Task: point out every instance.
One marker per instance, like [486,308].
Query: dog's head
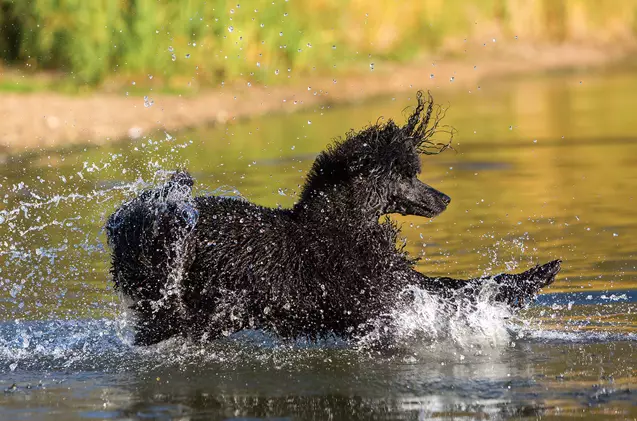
[376,170]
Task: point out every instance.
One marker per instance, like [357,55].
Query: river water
[543,168]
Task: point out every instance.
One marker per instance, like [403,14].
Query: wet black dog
[209,266]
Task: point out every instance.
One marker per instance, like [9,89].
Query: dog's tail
[152,248]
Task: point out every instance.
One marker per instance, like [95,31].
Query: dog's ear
[424,123]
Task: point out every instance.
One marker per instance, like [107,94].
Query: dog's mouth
[415,209]
[418,199]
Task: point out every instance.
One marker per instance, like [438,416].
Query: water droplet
[231,11]
[171,49]
[276,72]
[15,290]
[451,79]
[148,102]
[173,57]
[431,76]
[249,84]
[309,122]
[281,33]
[230,28]
[262,25]
[187,55]
[371,66]
[333,47]
[258,64]
[149,77]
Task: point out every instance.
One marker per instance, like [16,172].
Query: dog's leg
[517,289]
[514,289]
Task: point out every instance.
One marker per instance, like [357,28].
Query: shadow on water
[544,169]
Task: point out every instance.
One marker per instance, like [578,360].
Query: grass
[191,43]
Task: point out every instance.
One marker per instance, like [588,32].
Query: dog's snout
[446,199]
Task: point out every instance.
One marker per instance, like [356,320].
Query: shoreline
[45,120]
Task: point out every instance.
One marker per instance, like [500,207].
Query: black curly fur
[210,266]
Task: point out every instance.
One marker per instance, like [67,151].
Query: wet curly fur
[209,266]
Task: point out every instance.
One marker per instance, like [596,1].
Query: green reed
[204,42]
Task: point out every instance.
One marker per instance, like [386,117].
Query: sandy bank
[46,120]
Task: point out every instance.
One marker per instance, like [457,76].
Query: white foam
[426,318]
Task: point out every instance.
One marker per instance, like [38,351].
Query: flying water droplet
[15,290]
[230,28]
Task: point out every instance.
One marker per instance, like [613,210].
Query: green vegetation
[194,42]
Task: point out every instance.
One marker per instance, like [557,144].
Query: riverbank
[30,121]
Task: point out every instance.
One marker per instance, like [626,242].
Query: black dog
[209,266]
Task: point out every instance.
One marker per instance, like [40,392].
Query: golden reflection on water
[544,168]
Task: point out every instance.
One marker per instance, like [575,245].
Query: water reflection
[237,380]
[544,168]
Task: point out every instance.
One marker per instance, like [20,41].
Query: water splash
[425,319]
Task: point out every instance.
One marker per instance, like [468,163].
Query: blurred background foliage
[204,42]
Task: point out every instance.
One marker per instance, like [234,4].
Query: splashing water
[50,243]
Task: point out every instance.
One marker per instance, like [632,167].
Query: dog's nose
[446,199]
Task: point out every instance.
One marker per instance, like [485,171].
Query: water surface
[543,168]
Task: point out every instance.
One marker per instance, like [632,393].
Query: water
[543,168]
